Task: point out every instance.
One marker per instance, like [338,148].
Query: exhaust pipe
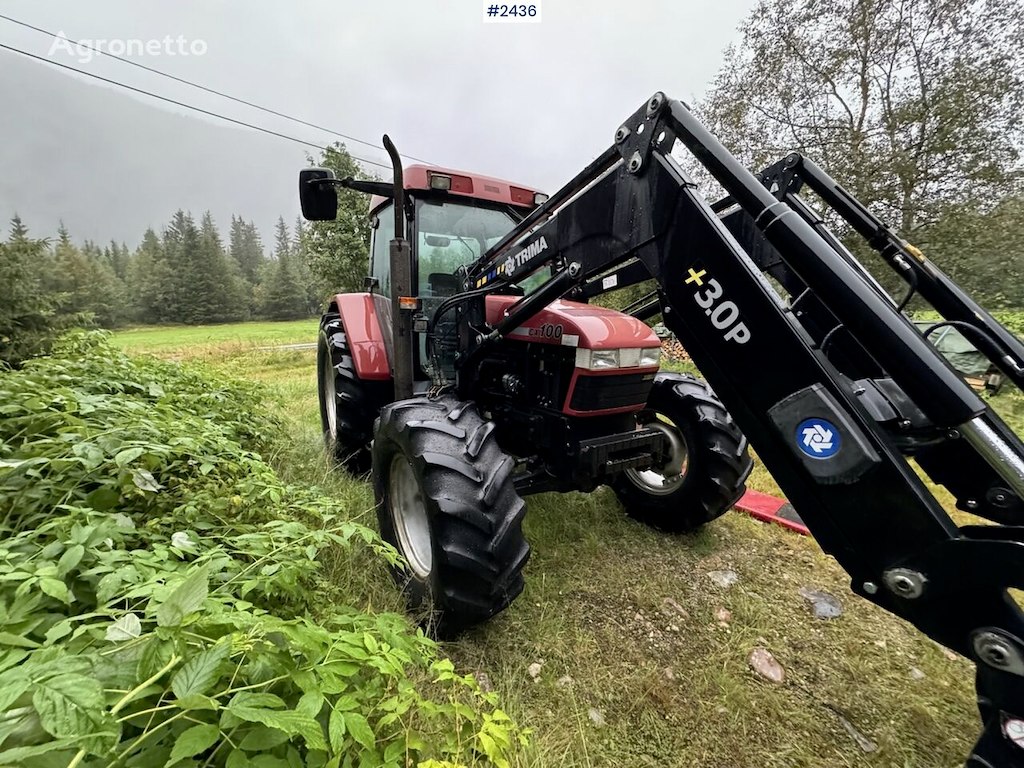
[401,285]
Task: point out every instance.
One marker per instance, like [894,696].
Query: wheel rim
[330,395]
[666,479]
[409,514]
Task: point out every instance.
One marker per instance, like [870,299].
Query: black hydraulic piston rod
[1003,348]
[523,310]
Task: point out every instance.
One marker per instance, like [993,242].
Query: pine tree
[19,231]
[283,240]
[283,295]
[181,251]
[221,291]
[246,249]
[151,282]
[118,259]
[315,292]
[28,322]
[253,248]
[84,283]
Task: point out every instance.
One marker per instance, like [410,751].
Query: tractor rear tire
[447,501]
[710,464]
[348,405]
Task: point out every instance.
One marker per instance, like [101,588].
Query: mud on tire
[446,500]
[716,466]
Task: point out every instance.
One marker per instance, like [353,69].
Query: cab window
[451,235]
[383,224]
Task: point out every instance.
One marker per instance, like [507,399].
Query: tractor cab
[451,219]
[444,235]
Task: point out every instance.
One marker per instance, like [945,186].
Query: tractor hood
[572,324]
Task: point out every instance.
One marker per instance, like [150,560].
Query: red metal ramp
[770,509]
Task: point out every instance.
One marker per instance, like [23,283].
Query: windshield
[451,235]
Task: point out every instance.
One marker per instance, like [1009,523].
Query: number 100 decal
[723,313]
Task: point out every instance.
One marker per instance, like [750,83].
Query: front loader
[473,372]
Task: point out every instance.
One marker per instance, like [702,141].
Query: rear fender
[364,331]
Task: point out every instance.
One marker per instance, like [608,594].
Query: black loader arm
[847,387]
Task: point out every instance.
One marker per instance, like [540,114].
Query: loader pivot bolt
[996,655]
[905,582]
[996,651]
[635,162]
[655,104]
[621,134]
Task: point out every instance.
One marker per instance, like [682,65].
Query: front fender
[366,339]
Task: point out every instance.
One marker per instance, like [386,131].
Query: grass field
[214,340]
[632,633]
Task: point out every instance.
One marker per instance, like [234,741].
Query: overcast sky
[528,102]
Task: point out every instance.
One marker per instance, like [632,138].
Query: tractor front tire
[710,463]
[447,501]
[348,405]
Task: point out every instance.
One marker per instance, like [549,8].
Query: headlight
[608,359]
[597,359]
[604,358]
[650,356]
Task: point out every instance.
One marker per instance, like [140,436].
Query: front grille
[598,393]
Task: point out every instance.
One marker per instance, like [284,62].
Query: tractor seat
[443,284]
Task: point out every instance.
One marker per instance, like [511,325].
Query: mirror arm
[380,188]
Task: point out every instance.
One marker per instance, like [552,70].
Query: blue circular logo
[818,438]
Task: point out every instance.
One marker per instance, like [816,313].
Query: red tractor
[473,372]
[570,400]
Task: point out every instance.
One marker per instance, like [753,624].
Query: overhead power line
[199,86]
[183,104]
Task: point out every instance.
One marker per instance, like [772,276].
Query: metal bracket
[635,138]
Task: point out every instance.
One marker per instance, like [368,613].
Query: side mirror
[318,195]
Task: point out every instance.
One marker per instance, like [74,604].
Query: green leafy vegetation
[165,599]
[1014,321]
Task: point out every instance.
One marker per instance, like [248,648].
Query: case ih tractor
[568,399]
[473,372]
